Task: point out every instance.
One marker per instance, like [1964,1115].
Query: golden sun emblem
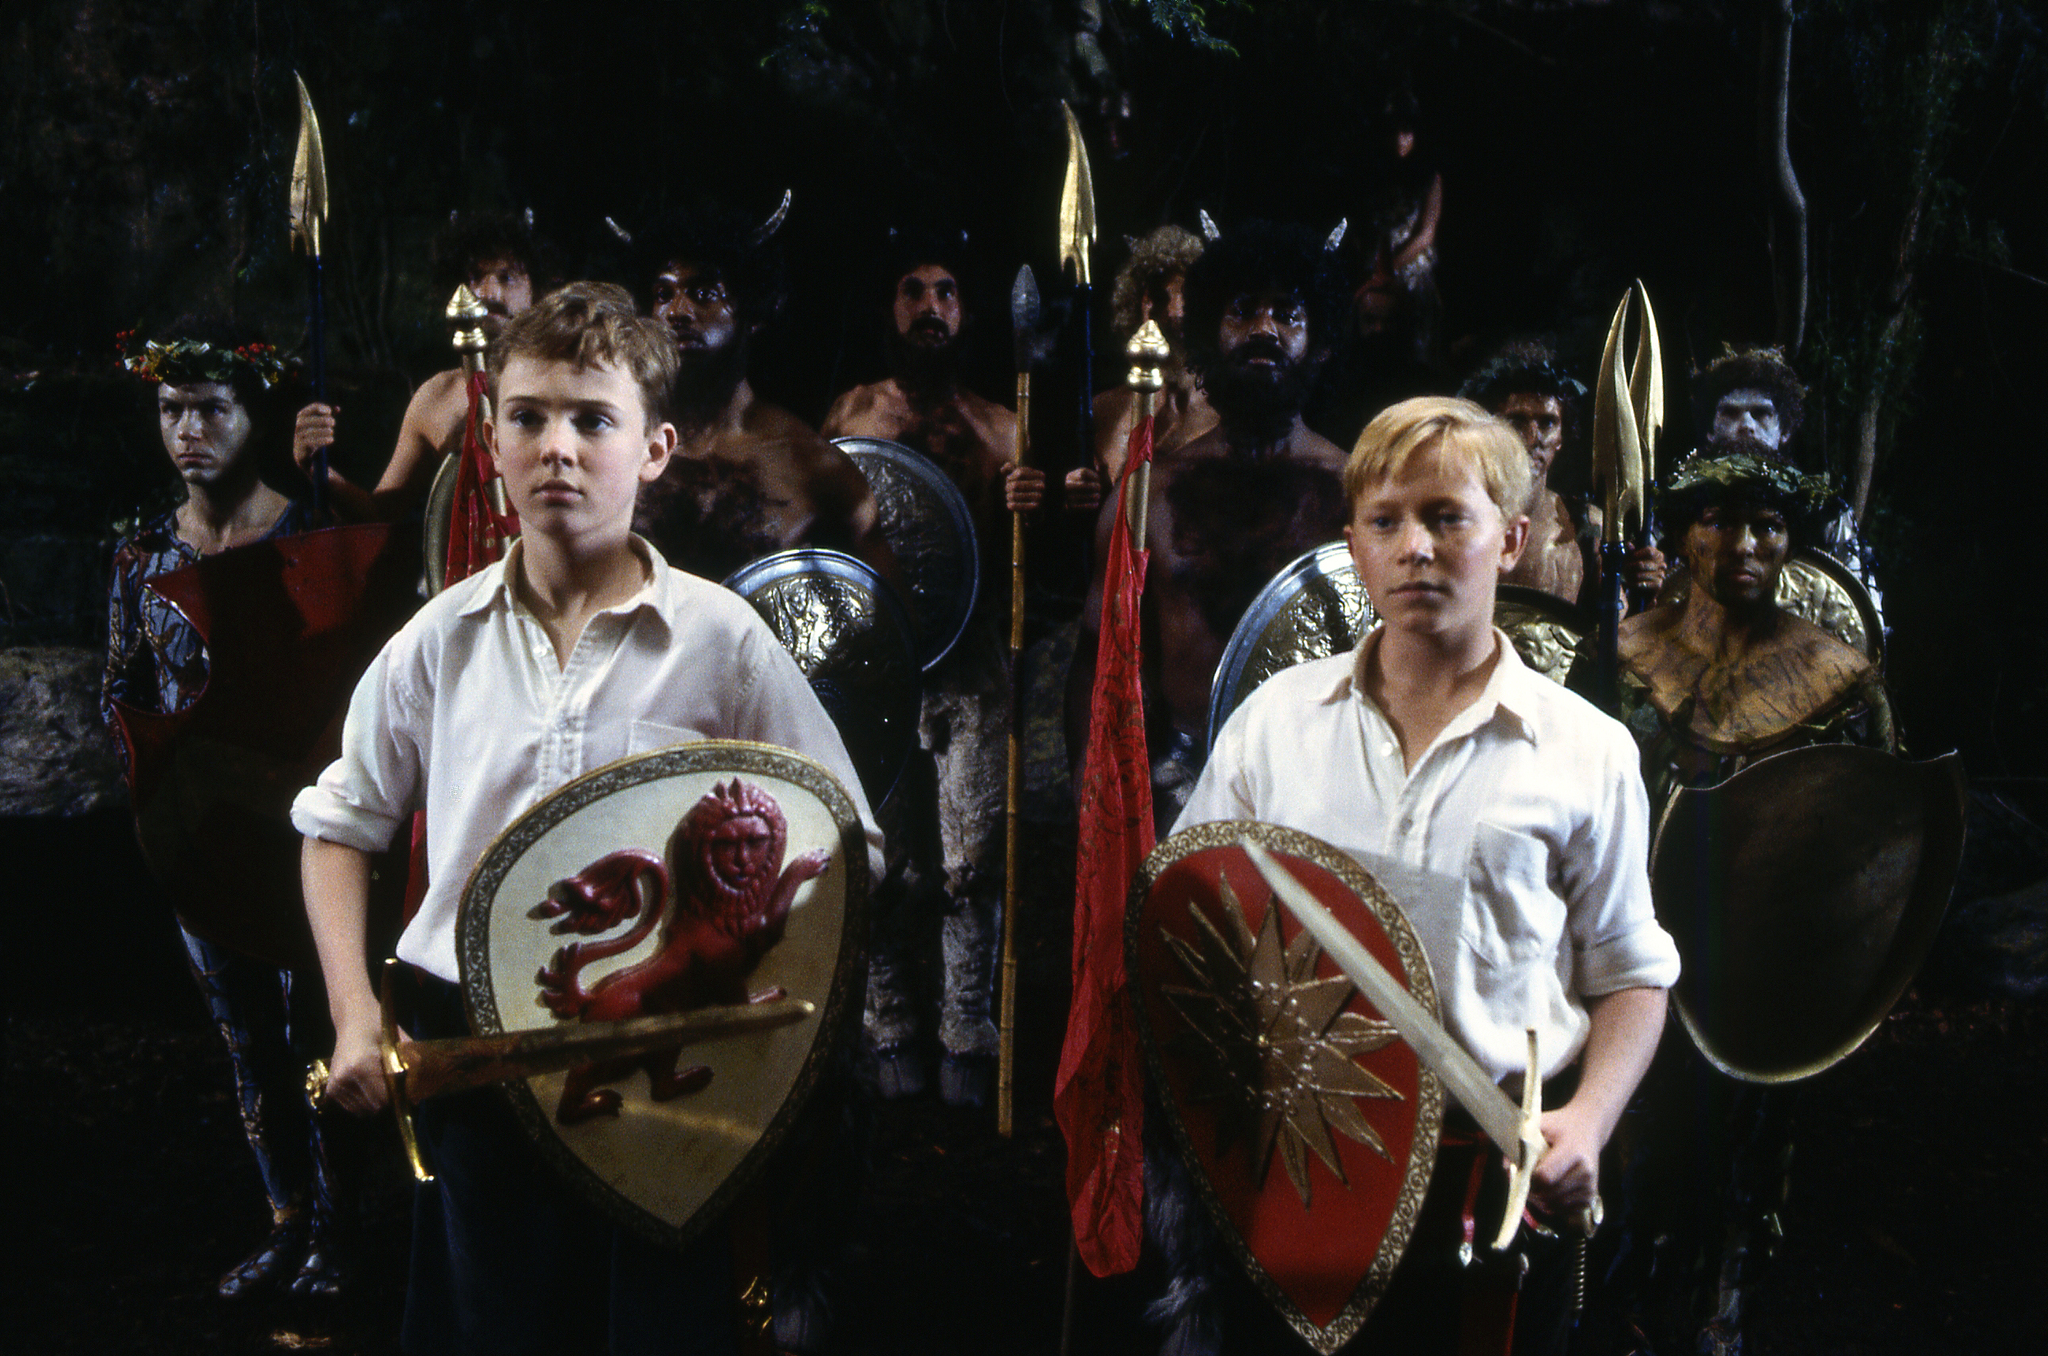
[1274,1042]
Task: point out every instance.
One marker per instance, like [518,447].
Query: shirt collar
[1507,695]
[656,597]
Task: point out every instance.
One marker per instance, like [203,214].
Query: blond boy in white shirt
[1506,814]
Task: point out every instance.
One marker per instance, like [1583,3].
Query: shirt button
[1387,749]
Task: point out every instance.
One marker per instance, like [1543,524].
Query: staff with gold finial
[1032,345]
[308,210]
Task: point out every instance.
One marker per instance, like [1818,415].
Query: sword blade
[1496,1113]
[462,1062]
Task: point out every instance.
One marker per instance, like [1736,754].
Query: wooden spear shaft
[1013,796]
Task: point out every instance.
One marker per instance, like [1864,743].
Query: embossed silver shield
[927,523]
[1311,610]
[706,874]
[1317,607]
[847,631]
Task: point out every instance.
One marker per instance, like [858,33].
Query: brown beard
[927,370]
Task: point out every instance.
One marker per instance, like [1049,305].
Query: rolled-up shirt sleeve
[1616,940]
[374,786]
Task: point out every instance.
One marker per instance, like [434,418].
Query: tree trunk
[1788,208]
[1894,324]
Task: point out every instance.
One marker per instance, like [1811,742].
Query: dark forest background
[145,152]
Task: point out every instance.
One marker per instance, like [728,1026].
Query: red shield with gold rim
[1309,1127]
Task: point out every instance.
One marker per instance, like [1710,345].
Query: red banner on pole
[1099,1096]
[485,522]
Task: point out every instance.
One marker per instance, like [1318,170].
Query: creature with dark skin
[1710,684]
[1229,510]
[966,706]
[748,478]
[506,264]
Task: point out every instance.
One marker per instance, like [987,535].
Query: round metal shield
[1544,629]
[597,903]
[928,525]
[847,631]
[1314,608]
[1317,607]
[1803,893]
[1309,1128]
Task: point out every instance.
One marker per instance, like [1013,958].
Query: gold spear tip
[309,177]
[1077,201]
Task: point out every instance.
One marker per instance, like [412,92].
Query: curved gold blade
[1077,202]
[309,177]
[1617,448]
[1646,386]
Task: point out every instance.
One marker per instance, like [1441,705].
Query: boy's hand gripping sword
[417,1070]
[1628,416]
[1513,1128]
[308,210]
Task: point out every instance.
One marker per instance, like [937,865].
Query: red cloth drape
[474,537]
[1099,1094]
[473,542]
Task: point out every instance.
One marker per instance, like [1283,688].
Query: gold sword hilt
[318,1075]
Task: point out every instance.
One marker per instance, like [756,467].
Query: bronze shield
[1803,893]
[605,896]
[289,624]
[1308,1126]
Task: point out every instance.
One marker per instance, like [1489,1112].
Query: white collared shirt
[467,714]
[1518,846]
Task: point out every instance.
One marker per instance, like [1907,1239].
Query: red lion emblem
[731,908]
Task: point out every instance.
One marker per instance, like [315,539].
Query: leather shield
[929,527]
[1803,893]
[709,873]
[289,626]
[847,631]
[1308,1127]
